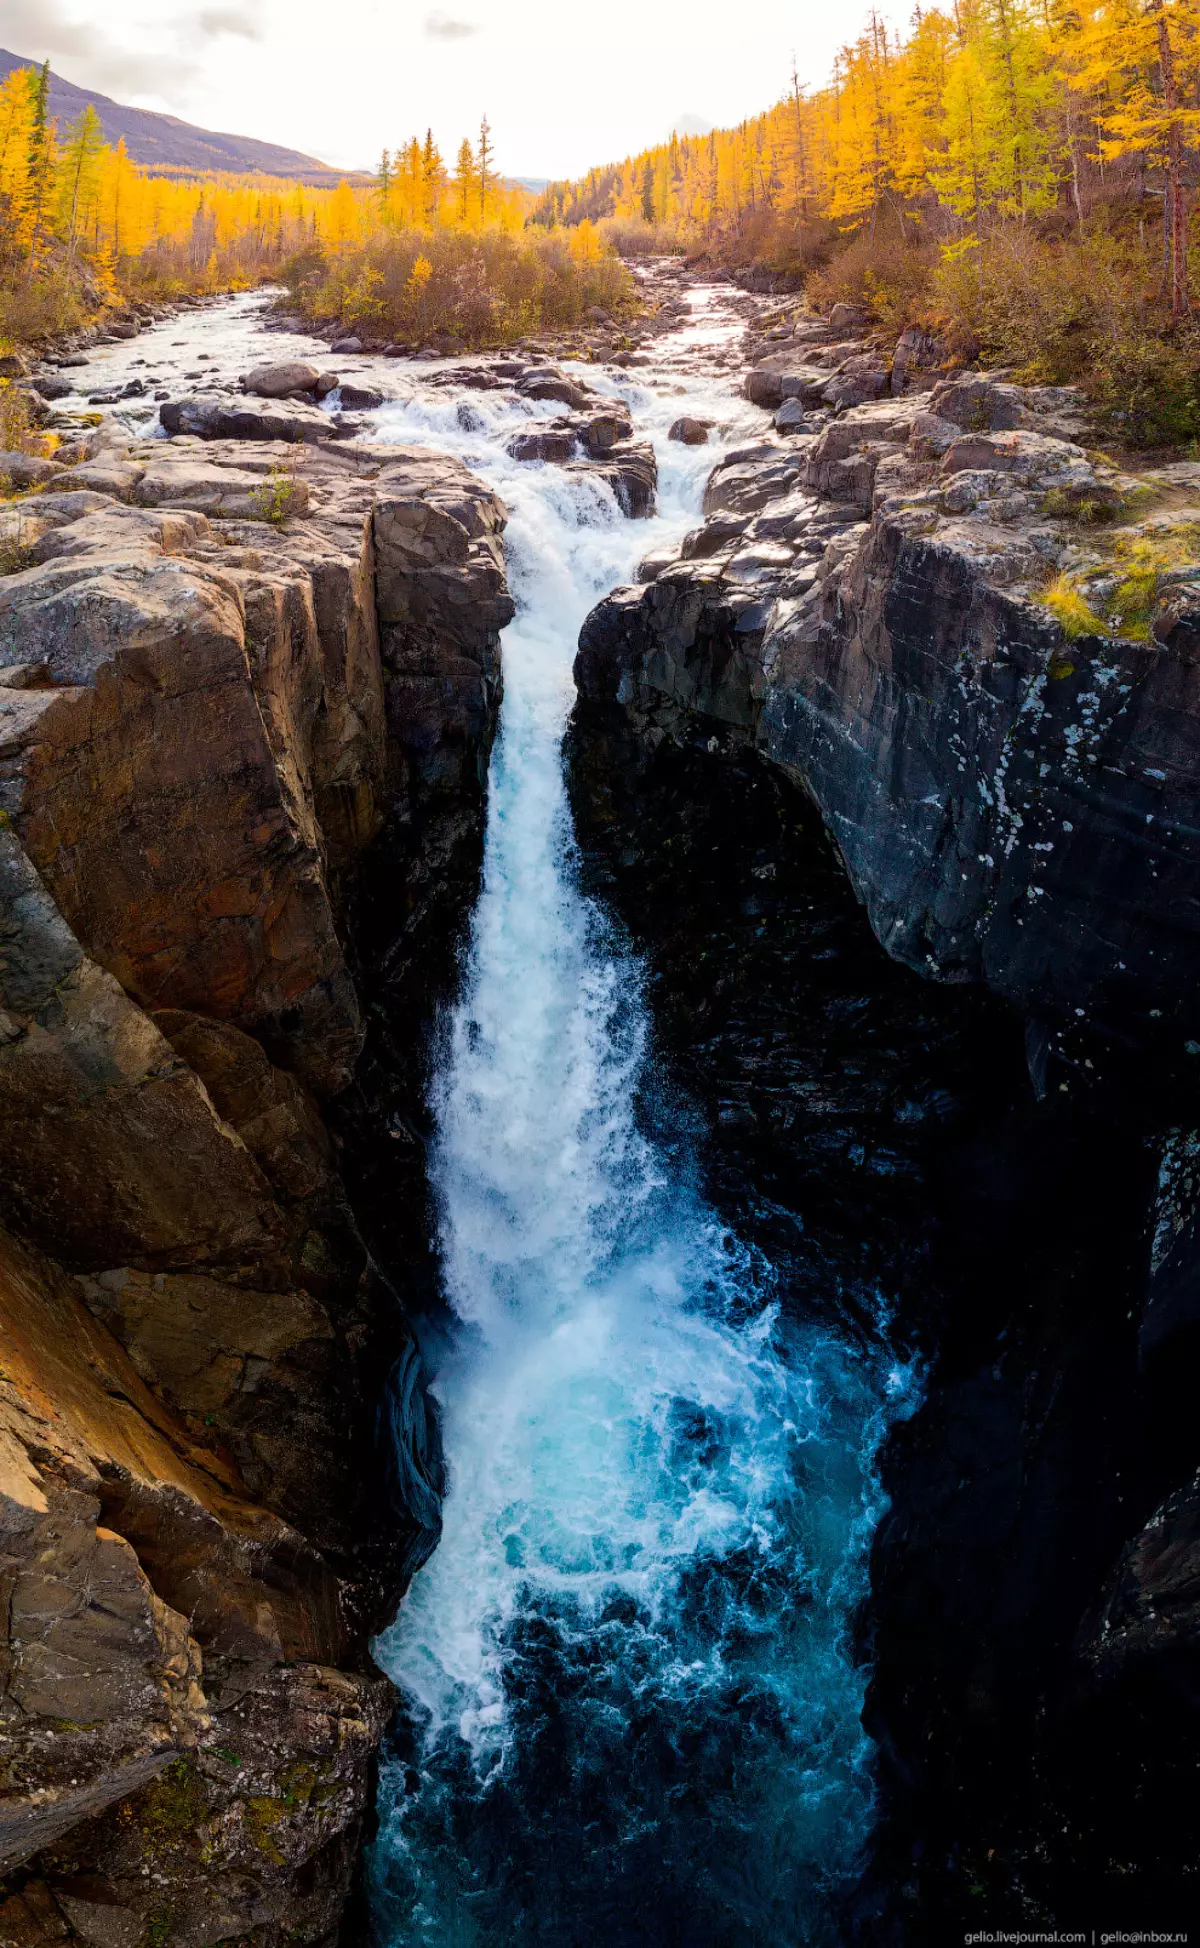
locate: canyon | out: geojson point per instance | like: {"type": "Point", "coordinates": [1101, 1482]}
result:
{"type": "Point", "coordinates": [818, 1042]}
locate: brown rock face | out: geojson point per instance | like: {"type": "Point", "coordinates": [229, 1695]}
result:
{"type": "Point", "coordinates": [125, 1548]}
{"type": "Point", "coordinates": [116, 1148]}
{"type": "Point", "coordinates": [207, 719]}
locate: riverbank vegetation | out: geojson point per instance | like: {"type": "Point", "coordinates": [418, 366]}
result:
{"type": "Point", "coordinates": [1019, 176]}
{"type": "Point", "coordinates": [425, 249]}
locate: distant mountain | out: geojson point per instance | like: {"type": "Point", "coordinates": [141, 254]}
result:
{"type": "Point", "coordinates": [169, 147]}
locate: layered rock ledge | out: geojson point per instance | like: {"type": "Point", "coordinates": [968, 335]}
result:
{"type": "Point", "coordinates": [232, 688]}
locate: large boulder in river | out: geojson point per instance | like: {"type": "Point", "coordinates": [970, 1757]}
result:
{"type": "Point", "coordinates": [546, 383]}
{"type": "Point", "coordinates": [690, 432]}
{"type": "Point", "coordinates": [556, 445]}
{"type": "Point", "coordinates": [282, 381]}
{"type": "Point", "coordinates": [208, 417]}
{"type": "Point", "coordinates": [360, 399]}
{"type": "Point", "coordinates": [632, 471]}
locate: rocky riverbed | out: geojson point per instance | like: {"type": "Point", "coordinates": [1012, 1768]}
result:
{"type": "Point", "coordinates": [912, 866]}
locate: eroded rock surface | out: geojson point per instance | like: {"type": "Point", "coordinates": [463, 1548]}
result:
{"type": "Point", "coordinates": [232, 690]}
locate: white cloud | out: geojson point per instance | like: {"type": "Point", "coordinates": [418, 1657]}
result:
{"type": "Point", "coordinates": [440, 27]}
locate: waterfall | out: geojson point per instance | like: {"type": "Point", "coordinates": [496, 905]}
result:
{"type": "Point", "coordinates": [630, 1708]}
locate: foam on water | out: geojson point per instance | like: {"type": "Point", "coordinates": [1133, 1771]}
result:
{"type": "Point", "coordinates": [630, 1710]}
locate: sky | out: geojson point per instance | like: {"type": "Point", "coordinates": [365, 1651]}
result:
{"type": "Point", "coordinates": [563, 86]}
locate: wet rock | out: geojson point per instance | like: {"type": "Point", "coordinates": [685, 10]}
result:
{"type": "Point", "coordinates": [689, 431]}
{"type": "Point", "coordinates": [602, 432]}
{"type": "Point", "coordinates": [1148, 1623]}
{"type": "Point", "coordinates": [360, 398]}
{"type": "Point", "coordinates": [633, 472]}
{"type": "Point", "coordinates": [546, 383]}
{"type": "Point", "coordinates": [549, 445]}
{"type": "Point", "coordinates": [347, 345]}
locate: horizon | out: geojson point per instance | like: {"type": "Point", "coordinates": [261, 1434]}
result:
{"type": "Point", "coordinates": [248, 70]}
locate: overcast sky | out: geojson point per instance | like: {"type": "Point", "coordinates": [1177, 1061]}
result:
{"type": "Point", "coordinates": [563, 85]}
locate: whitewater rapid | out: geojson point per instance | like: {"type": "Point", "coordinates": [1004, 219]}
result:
{"type": "Point", "coordinates": [630, 1711]}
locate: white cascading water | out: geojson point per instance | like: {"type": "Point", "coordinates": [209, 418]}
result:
{"type": "Point", "coordinates": [630, 1709]}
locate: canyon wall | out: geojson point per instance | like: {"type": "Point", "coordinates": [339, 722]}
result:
{"type": "Point", "coordinates": [850, 673]}
{"type": "Point", "coordinates": [235, 695]}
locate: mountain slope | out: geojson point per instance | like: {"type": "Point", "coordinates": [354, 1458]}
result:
{"type": "Point", "coordinates": [169, 146]}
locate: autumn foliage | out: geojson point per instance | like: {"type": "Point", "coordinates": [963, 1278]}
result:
{"type": "Point", "coordinates": [422, 249]}
{"type": "Point", "coordinates": [1019, 174]}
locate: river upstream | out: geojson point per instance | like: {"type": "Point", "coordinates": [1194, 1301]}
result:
{"type": "Point", "coordinates": [631, 1708]}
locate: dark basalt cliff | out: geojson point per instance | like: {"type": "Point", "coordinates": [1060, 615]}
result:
{"type": "Point", "coordinates": [220, 739]}
{"type": "Point", "coordinates": [848, 684]}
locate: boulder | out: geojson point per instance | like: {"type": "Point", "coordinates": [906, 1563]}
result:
{"type": "Point", "coordinates": [347, 345]}
{"type": "Point", "coordinates": [855, 382]}
{"type": "Point", "coordinates": [360, 398]}
{"type": "Point", "coordinates": [848, 319]}
{"type": "Point", "coordinates": [782, 376]}
{"type": "Point", "coordinates": [633, 473]}
{"type": "Point", "coordinates": [690, 432]}
{"type": "Point", "coordinates": [50, 386]}
{"type": "Point", "coordinates": [602, 431]}
{"type": "Point", "coordinates": [544, 383]}
{"type": "Point", "coordinates": [282, 381]}
{"type": "Point", "coordinates": [916, 351]}
{"type": "Point", "coordinates": [550, 445]}
{"type": "Point", "coordinates": [327, 382]}
{"type": "Point", "coordinates": [27, 470]}
{"type": "Point", "coordinates": [213, 418]}
{"type": "Point", "coordinates": [791, 418]}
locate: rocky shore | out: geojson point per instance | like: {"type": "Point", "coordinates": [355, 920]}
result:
{"type": "Point", "coordinates": [930, 646]}
{"type": "Point", "coordinates": [235, 693]}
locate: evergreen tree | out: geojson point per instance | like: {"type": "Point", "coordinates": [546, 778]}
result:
{"type": "Point", "coordinates": [465, 180]}
{"type": "Point", "coordinates": [41, 160]}
{"type": "Point", "coordinates": [484, 165]}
